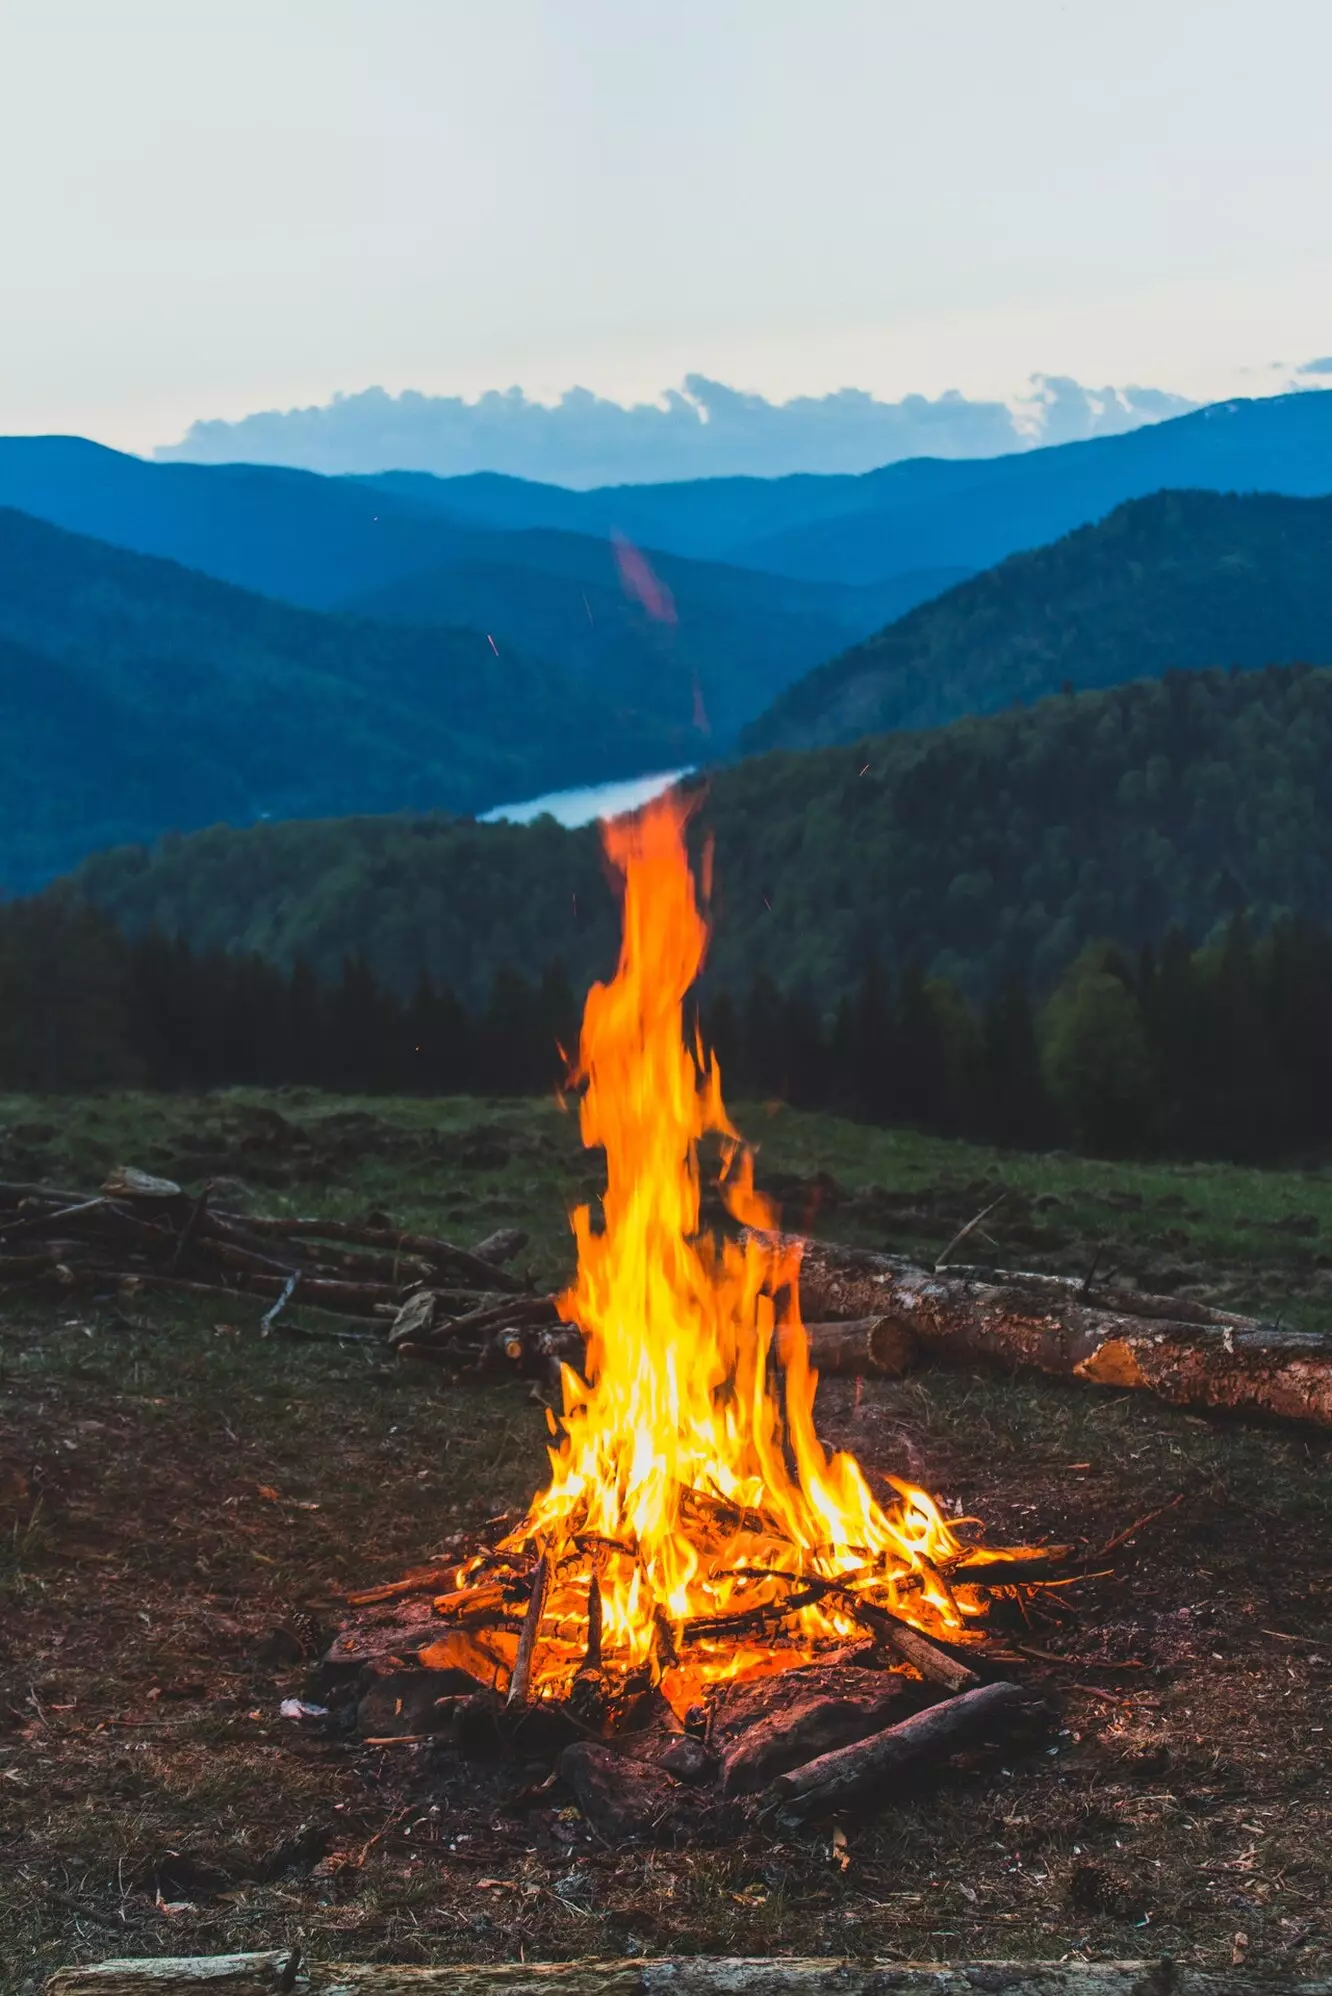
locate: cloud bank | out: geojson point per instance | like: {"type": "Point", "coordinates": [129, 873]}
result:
{"type": "Point", "coordinates": [701, 430]}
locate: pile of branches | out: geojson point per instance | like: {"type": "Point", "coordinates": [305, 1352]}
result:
{"type": "Point", "coordinates": [140, 1233]}
{"type": "Point", "coordinates": [460, 1309]}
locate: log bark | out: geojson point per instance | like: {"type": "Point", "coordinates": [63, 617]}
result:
{"type": "Point", "coordinates": [500, 1246]}
{"type": "Point", "coordinates": [878, 1346]}
{"type": "Point", "coordinates": [1183, 1351]}
{"type": "Point", "coordinates": [856, 1703]}
{"type": "Point", "coordinates": [271, 1974]}
{"type": "Point", "coordinates": [851, 1772]}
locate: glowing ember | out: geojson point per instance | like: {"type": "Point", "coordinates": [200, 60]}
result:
{"type": "Point", "coordinates": [694, 1527]}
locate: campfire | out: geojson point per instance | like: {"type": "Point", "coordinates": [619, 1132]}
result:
{"type": "Point", "coordinates": [696, 1539]}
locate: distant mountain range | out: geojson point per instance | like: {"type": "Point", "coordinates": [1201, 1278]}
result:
{"type": "Point", "coordinates": [732, 640]}
{"type": "Point", "coordinates": [139, 697]}
{"type": "Point", "coordinates": [1183, 579]}
{"type": "Point", "coordinates": [324, 541]}
{"type": "Point", "coordinates": [921, 513]}
{"type": "Point", "coordinates": [209, 642]}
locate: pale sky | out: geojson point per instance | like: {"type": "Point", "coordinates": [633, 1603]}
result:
{"type": "Point", "coordinates": [217, 206]}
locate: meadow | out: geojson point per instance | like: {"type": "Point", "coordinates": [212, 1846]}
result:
{"type": "Point", "coordinates": [184, 1505]}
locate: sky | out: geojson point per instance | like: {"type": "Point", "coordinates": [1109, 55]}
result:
{"type": "Point", "coordinates": [215, 207]}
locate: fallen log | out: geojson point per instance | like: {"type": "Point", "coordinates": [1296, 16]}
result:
{"type": "Point", "coordinates": [279, 1972]}
{"type": "Point", "coordinates": [850, 1772]}
{"type": "Point", "coordinates": [1183, 1351]}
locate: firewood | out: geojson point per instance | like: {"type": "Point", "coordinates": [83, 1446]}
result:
{"type": "Point", "coordinates": [853, 1704]}
{"type": "Point", "coordinates": [439, 1253]}
{"type": "Point", "coordinates": [125, 1181]}
{"type": "Point", "coordinates": [1185, 1352]}
{"type": "Point", "coordinates": [872, 1346]}
{"type": "Point", "coordinates": [500, 1246]}
{"type": "Point", "coordinates": [520, 1684]}
{"type": "Point", "coordinates": [873, 1764]}
{"type": "Point", "coordinates": [424, 1318]}
{"type": "Point", "coordinates": [277, 1972]}
{"type": "Point", "coordinates": [935, 1665]}
{"type": "Point", "coordinates": [623, 1798]}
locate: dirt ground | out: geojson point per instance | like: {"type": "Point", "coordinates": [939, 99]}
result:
{"type": "Point", "coordinates": [183, 1506]}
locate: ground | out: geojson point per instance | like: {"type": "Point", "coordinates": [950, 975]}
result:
{"type": "Point", "coordinates": [174, 1489]}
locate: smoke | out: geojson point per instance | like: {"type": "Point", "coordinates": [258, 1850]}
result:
{"type": "Point", "coordinates": [703, 429]}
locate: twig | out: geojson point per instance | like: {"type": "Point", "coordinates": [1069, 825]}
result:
{"type": "Point", "coordinates": [270, 1317]}
{"type": "Point", "coordinates": [969, 1228]}
{"type": "Point", "coordinates": [191, 1226]}
{"type": "Point", "coordinates": [1112, 1545]}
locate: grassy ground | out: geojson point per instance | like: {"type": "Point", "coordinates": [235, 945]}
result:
{"type": "Point", "coordinates": [173, 1490]}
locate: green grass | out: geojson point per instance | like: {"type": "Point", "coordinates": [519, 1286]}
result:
{"type": "Point", "coordinates": [173, 1486]}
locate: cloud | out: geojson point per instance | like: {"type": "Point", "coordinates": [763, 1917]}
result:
{"type": "Point", "coordinates": [703, 429]}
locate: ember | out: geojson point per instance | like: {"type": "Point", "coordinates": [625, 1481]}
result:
{"type": "Point", "coordinates": [694, 1528]}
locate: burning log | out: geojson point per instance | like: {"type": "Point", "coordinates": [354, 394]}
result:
{"type": "Point", "coordinates": [850, 1772]}
{"type": "Point", "coordinates": [1183, 1351]}
{"type": "Point", "coordinates": [520, 1684]}
{"type": "Point", "coordinates": [275, 1972]}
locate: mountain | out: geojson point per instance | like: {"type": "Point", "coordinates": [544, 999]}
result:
{"type": "Point", "coordinates": [411, 556]}
{"type": "Point", "coordinates": [1182, 579]}
{"type": "Point", "coordinates": [737, 637]}
{"type": "Point", "coordinates": [324, 540]}
{"type": "Point", "coordinates": [920, 513]}
{"type": "Point", "coordinates": [138, 697]}
{"type": "Point", "coordinates": [289, 534]}
{"type": "Point", "coordinates": [996, 846]}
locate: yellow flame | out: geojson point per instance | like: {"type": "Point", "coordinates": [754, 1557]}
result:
{"type": "Point", "coordinates": [687, 1457]}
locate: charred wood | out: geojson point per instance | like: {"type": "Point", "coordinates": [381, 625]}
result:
{"type": "Point", "coordinates": [871, 1766]}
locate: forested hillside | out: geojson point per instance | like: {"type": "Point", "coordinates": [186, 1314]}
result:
{"type": "Point", "coordinates": [139, 697]}
{"type": "Point", "coordinates": [718, 643]}
{"type": "Point", "coordinates": [994, 847]}
{"type": "Point", "coordinates": [1182, 579]}
{"type": "Point", "coordinates": [723, 643]}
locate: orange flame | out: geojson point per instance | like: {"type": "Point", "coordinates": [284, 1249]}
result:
{"type": "Point", "coordinates": [688, 1474]}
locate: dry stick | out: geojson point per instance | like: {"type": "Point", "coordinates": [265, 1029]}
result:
{"type": "Point", "coordinates": [1148, 1518]}
{"type": "Point", "coordinates": [839, 1777]}
{"type": "Point", "coordinates": [933, 1663]}
{"type": "Point", "coordinates": [492, 1316]}
{"type": "Point", "coordinates": [191, 1226]}
{"type": "Point", "coordinates": [31, 1220]}
{"type": "Point", "coordinates": [393, 1268]}
{"type": "Point", "coordinates": [520, 1691]}
{"type": "Point", "coordinates": [270, 1317]}
{"type": "Point", "coordinates": [333, 1297]}
{"type": "Point", "coordinates": [969, 1228]}
{"type": "Point", "coordinates": [434, 1250]}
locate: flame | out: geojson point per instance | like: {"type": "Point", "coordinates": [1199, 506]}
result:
{"type": "Point", "coordinates": [689, 1491]}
